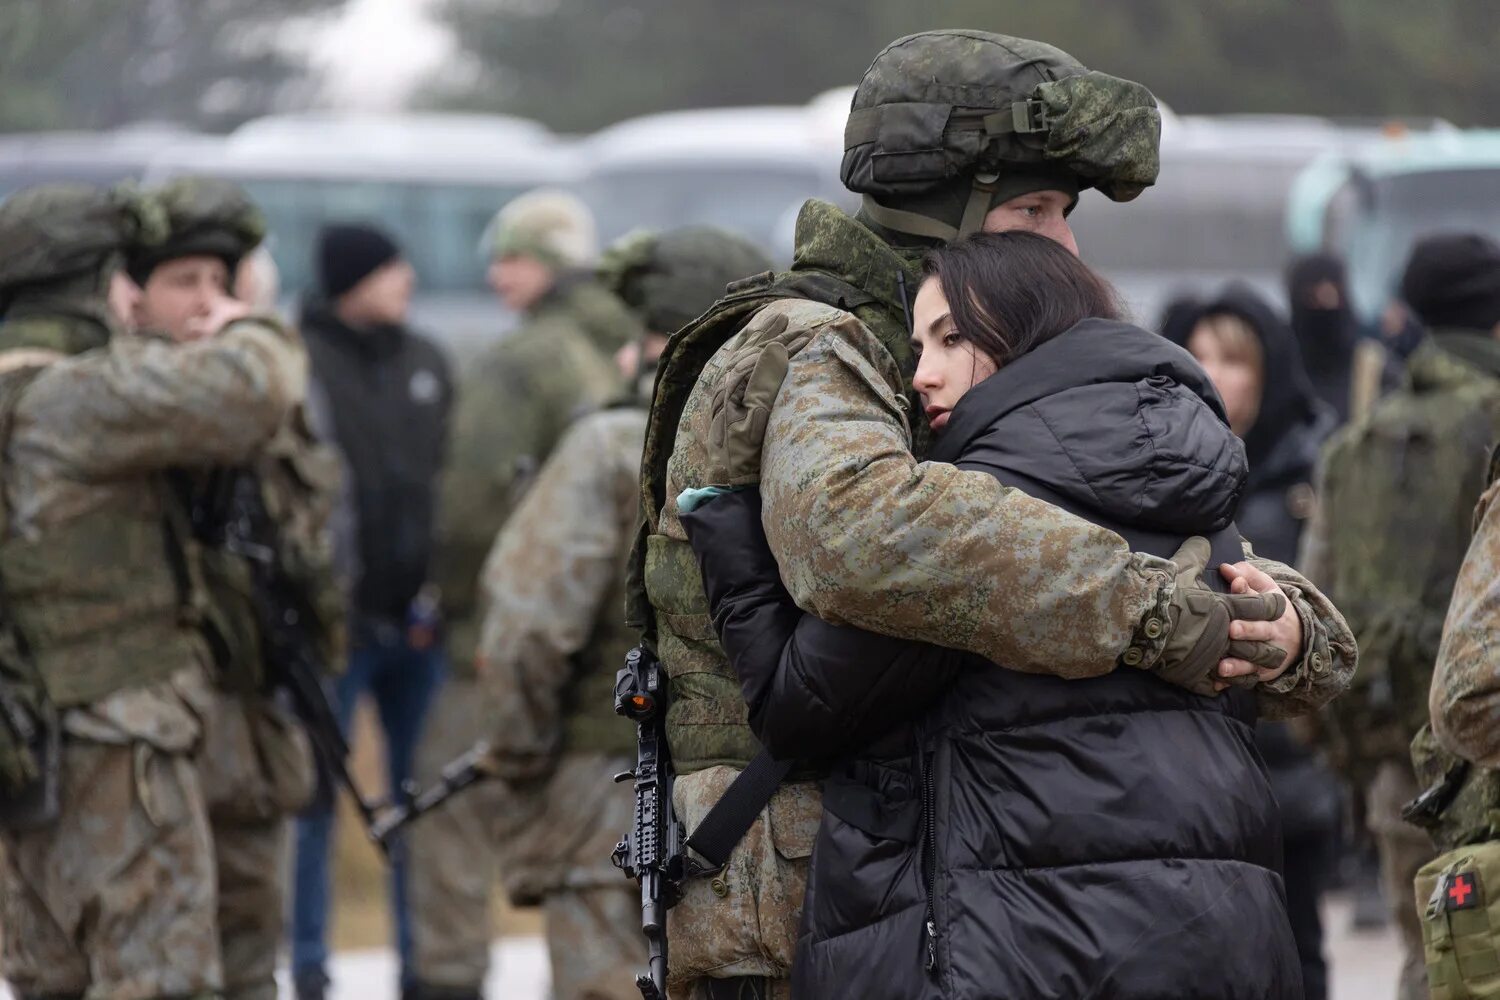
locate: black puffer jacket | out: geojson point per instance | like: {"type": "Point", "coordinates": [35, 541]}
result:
{"type": "Point", "coordinates": [1027, 837]}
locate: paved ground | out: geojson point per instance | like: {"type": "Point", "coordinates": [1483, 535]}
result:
{"type": "Point", "coordinates": [1364, 967]}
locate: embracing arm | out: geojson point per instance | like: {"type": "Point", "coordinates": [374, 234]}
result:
{"type": "Point", "coordinates": [814, 690]}
{"type": "Point", "coordinates": [868, 536]}
{"type": "Point", "coordinates": [1322, 645]}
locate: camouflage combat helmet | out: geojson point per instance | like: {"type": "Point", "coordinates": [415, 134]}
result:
{"type": "Point", "coordinates": [945, 125]}
{"type": "Point", "coordinates": [207, 217]}
{"type": "Point", "coordinates": [549, 224]}
{"type": "Point", "coordinates": [670, 279]}
{"type": "Point", "coordinates": [54, 233]}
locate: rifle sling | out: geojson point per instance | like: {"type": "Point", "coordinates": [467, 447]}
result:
{"type": "Point", "coordinates": [737, 809]}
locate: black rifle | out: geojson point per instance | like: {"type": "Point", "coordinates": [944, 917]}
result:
{"type": "Point", "coordinates": [235, 512]}
{"type": "Point", "coordinates": [461, 772]}
{"type": "Point", "coordinates": [651, 852]}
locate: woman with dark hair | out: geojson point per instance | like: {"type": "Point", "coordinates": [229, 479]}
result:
{"type": "Point", "coordinates": [989, 833]}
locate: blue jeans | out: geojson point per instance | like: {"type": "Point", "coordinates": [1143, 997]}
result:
{"type": "Point", "coordinates": [402, 681]}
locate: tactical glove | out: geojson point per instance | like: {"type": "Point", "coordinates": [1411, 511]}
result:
{"type": "Point", "coordinates": [742, 405]}
{"type": "Point", "coordinates": [1197, 627]}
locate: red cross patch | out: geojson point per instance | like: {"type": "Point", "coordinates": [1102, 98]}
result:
{"type": "Point", "coordinates": [1462, 891]}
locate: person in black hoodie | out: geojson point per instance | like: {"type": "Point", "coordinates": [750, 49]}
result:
{"type": "Point", "coordinates": [1257, 366]}
{"type": "Point", "coordinates": [1251, 356]}
{"type": "Point", "coordinates": [385, 392]}
{"type": "Point", "coordinates": [989, 833]}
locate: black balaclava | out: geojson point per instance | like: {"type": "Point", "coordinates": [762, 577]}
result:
{"type": "Point", "coordinates": [1326, 337]}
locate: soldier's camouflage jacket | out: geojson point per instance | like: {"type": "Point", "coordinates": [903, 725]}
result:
{"type": "Point", "coordinates": [1395, 502]}
{"type": "Point", "coordinates": [92, 581]}
{"type": "Point", "coordinates": [866, 534]}
{"type": "Point", "coordinates": [552, 639]}
{"type": "Point", "coordinates": [512, 410]}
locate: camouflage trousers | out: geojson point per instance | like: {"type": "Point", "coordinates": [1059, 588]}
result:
{"type": "Point", "coordinates": [451, 852]}
{"type": "Point", "coordinates": [1403, 849]}
{"type": "Point", "coordinates": [551, 848]}
{"type": "Point", "coordinates": [257, 770]}
{"type": "Point", "coordinates": [116, 899]}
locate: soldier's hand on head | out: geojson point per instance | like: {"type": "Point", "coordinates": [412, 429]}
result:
{"type": "Point", "coordinates": [1253, 643]}
{"type": "Point", "coordinates": [224, 311]}
{"type": "Point", "coordinates": [1198, 628]}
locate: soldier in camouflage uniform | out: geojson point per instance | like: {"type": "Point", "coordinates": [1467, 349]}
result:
{"type": "Point", "coordinates": [515, 406]}
{"type": "Point", "coordinates": [950, 132]}
{"type": "Point", "coordinates": [257, 767]}
{"type": "Point", "coordinates": [1387, 540]}
{"type": "Point", "coordinates": [102, 586]}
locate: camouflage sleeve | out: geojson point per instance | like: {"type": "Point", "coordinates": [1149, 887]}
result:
{"type": "Point", "coordinates": [866, 535]}
{"type": "Point", "coordinates": [1328, 656]}
{"type": "Point", "coordinates": [145, 404]}
{"type": "Point", "coordinates": [543, 586]}
{"type": "Point", "coordinates": [1465, 697]}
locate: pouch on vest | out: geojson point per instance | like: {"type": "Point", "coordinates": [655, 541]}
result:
{"type": "Point", "coordinates": [1456, 895]}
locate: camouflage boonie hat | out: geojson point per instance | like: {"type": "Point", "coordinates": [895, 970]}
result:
{"type": "Point", "coordinates": [670, 279]}
{"type": "Point", "coordinates": [207, 217]}
{"type": "Point", "coordinates": [969, 109]}
{"type": "Point", "coordinates": [55, 231]}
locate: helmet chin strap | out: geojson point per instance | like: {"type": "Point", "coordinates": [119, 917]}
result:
{"type": "Point", "coordinates": [910, 223]}
{"type": "Point", "coordinates": [981, 194]}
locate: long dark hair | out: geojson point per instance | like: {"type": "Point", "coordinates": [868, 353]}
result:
{"type": "Point", "coordinates": [1009, 293]}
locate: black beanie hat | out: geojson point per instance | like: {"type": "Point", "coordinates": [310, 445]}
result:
{"type": "Point", "coordinates": [348, 254]}
{"type": "Point", "coordinates": [1453, 280]}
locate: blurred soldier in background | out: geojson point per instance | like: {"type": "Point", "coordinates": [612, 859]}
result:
{"type": "Point", "coordinates": [257, 768]}
{"type": "Point", "coordinates": [386, 392]}
{"type": "Point", "coordinates": [951, 132]}
{"type": "Point", "coordinates": [553, 591]}
{"type": "Point", "coordinates": [112, 893]}
{"type": "Point", "coordinates": [1389, 534]}
{"type": "Point", "coordinates": [514, 407]}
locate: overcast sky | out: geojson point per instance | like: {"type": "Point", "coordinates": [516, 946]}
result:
{"type": "Point", "coordinates": [378, 50]}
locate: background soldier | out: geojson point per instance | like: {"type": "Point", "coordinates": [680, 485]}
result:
{"type": "Point", "coordinates": [841, 428]}
{"type": "Point", "coordinates": [1392, 525]}
{"type": "Point", "coordinates": [514, 407]}
{"type": "Point", "coordinates": [257, 767]}
{"type": "Point", "coordinates": [101, 584]}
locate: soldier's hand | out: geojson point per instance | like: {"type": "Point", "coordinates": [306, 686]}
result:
{"type": "Point", "coordinates": [1198, 627]}
{"type": "Point", "coordinates": [742, 404]}
{"type": "Point", "coordinates": [224, 311]}
{"type": "Point", "coordinates": [1285, 632]}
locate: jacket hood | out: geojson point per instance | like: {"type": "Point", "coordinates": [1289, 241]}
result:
{"type": "Point", "coordinates": [1113, 418]}
{"type": "Point", "coordinates": [1288, 406]}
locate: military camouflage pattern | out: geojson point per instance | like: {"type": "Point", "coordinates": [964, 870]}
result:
{"type": "Point", "coordinates": [942, 105]}
{"type": "Point", "coordinates": [593, 944]}
{"type": "Point", "coordinates": [552, 638]}
{"type": "Point", "coordinates": [205, 216]}
{"type": "Point", "coordinates": [117, 898]}
{"type": "Point", "coordinates": [866, 534]}
{"type": "Point", "coordinates": [87, 571]}
{"type": "Point", "coordinates": [1389, 535]}
{"type": "Point", "coordinates": [56, 231]}
{"type": "Point", "coordinates": [518, 400]}
{"type": "Point", "coordinates": [1403, 850]}
{"type": "Point", "coordinates": [669, 279]}
{"type": "Point", "coordinates": [257, 771]}
{"type": "Point", "coordinates": [1465, 693]}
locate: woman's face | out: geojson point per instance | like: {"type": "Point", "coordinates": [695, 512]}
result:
{"type": "Point", "coordinates": [1237, 379]}
{"type": "Point", "coordinates": [948, 365]}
